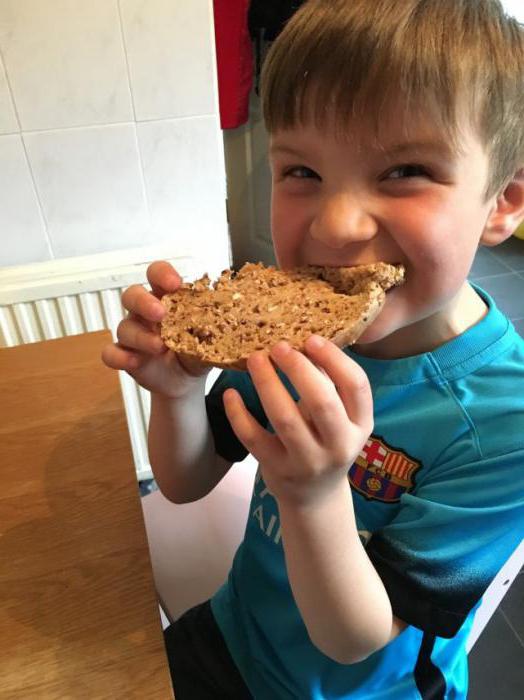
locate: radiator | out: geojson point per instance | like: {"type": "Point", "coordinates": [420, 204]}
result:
{"type": "Point", "coordinates": [67, 297]}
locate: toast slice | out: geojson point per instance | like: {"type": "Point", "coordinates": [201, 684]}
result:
{"type": "Point", "coordinates": [221, 324]}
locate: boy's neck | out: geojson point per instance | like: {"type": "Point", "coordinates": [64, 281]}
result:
{"type": "Point", "coordinates": [465, 310]}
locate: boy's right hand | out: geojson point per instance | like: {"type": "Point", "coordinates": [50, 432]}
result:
{"type": "Point", "coordinates": [140, 350]}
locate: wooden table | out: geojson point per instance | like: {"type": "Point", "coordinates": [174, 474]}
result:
{"type": "Point", "coordinates": [78, 611]}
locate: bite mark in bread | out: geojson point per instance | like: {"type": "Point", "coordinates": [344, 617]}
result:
{"type": "Point", "coordinates": [221, 324]}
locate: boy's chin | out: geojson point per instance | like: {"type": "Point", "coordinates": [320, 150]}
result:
{"type": "Point", "coordinates": [373, 334]}
{"type": "Point", "coordinates": [378, 340]}
{"type": "Point", "coordinates": [383, 326]}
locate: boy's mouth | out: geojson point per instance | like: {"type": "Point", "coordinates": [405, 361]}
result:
{"type": "Point", "coordinates": [361, 277]}
{"type": "Point", "coordinates": [349, 266]}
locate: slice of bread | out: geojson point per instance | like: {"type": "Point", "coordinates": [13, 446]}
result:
{"type": "Point", "coordinates": [222, 324]}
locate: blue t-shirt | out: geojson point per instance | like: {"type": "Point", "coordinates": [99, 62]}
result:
{"type": "Point", "coordinates": [438, 492]}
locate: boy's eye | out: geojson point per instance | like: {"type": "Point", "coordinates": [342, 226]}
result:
{"type": "Point", "coordinates": [407, 171]}
{"type": "Point", "coordinates": [300, 172]}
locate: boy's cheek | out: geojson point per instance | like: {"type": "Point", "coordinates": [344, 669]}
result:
{"type": "Point", "coordinates": [289, 224]}
{"type": "Point", "coordinates": [286, 246]}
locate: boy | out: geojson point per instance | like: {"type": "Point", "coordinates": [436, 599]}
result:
{"type": "Point", "coordinates": [391, 481]}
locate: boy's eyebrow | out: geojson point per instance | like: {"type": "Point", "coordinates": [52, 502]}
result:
{"type": "Point", "coordinates": [285, 150]}
{"type": "Point", "coordinates": [439, 148]}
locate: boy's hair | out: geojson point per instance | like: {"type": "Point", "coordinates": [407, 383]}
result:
{"type": "Point", "coordinates": [354, 58]}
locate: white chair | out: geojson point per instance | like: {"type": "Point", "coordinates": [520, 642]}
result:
{"type": "Point", "coordinates": [495, 593]}
{"type": "Point", "coordinates": [192, 546]}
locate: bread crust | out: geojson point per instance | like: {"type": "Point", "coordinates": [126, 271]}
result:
{"type": "Point", "coordinates": [221, 324]}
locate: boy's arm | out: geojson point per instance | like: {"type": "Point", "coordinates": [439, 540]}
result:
{"type": "Point", "coordinates": [341, 597]}
{"type": "Point", "coordinates": [343, 602]}
{"type": "Point", "coordinates": [181, 447]}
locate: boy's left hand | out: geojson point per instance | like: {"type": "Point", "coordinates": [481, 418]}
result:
{"type": "Point", "coordinates": [317, 439]}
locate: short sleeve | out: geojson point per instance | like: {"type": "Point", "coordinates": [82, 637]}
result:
{"type": "Point", "coordinates": [227, 444]}
{"type": "Point", "coordinates": [449, 539]}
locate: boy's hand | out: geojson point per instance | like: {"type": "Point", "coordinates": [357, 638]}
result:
{"type": "Point", "coordinates": [140, 350]}
{"type": "Point", "coordinates": [317, 439]}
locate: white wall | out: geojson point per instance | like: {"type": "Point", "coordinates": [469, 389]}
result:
{"type": "Point", "coordinates": [109, 130]}
{"type": "Point", "coordinates": [515, 8]}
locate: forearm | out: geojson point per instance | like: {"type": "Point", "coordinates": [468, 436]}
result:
{"type": "Point", "coordinates": [181, 447]}
{"type": "Point", "coordinates": [342, 600]}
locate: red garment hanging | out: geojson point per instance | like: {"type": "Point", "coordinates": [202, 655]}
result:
{"type": "Point", "coordinates": [234, 61]}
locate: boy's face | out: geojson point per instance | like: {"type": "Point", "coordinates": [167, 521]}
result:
{"type": "Point", "coordinates": [410, 200]}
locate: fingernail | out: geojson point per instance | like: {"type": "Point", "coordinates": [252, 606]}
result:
{"type": "Point", "coordinates": [282, 347]}
{"type": "Point", "coordinates": [230, 395]}
{"type": "Point", "coordinates": [157, 311]}
{"type": "Point", "coordinates": [256, 359]}
{"type": "Point", "coordinates": [315, 342]}
{"type": "Point", "coordinates": [159, 345]}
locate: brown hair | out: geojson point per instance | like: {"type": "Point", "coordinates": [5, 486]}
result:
{"type": "Point", "coordinates": [339, 59]}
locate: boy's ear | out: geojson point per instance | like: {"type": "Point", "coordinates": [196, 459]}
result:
{"type": "Point", "coordinates": [507, 214]}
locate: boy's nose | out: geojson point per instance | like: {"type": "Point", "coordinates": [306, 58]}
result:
{"type": "Point", "coordinates": [341, 220]}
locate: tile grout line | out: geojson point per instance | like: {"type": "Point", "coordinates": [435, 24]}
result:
{"type": "Point", "coordinates": [509, 273]}
{"type": "Point", "coordinates": [500, 258]}
{"type": "Point", "coordinates": [506, 264]}
{"type": "Point", "coordinates": [520, 641]}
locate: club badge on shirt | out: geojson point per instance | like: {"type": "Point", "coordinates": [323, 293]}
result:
{"type": "Point", "coordinates": [382, 472]}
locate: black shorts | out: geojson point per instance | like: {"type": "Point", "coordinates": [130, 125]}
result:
{"type": "Point", "coordinates": [199, 661]}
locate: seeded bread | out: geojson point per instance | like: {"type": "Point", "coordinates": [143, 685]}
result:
{"type": "Point", "coordinates": [221, 324]}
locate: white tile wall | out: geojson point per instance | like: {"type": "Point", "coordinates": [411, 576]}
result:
{"type": "Point", "coordinates": [167, 80]}
{"type": "Point", "coordinates": [515, 8]}
{"type": "Point", "coordinates": [180, 158]}
{"type": "Point", "coordinates": [8, 123]}
{"type": "Point", "coordinates": [90, 185]}
{"type": "Point", "coordinates": [114, 110]}
{"type": "Point", "coordinates": [66, 62]}
{"type": "Point", "coordinates": [19, 208]}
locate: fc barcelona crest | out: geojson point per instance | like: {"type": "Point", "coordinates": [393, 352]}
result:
{"type": "Point", "coordinates": [383, 473]}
